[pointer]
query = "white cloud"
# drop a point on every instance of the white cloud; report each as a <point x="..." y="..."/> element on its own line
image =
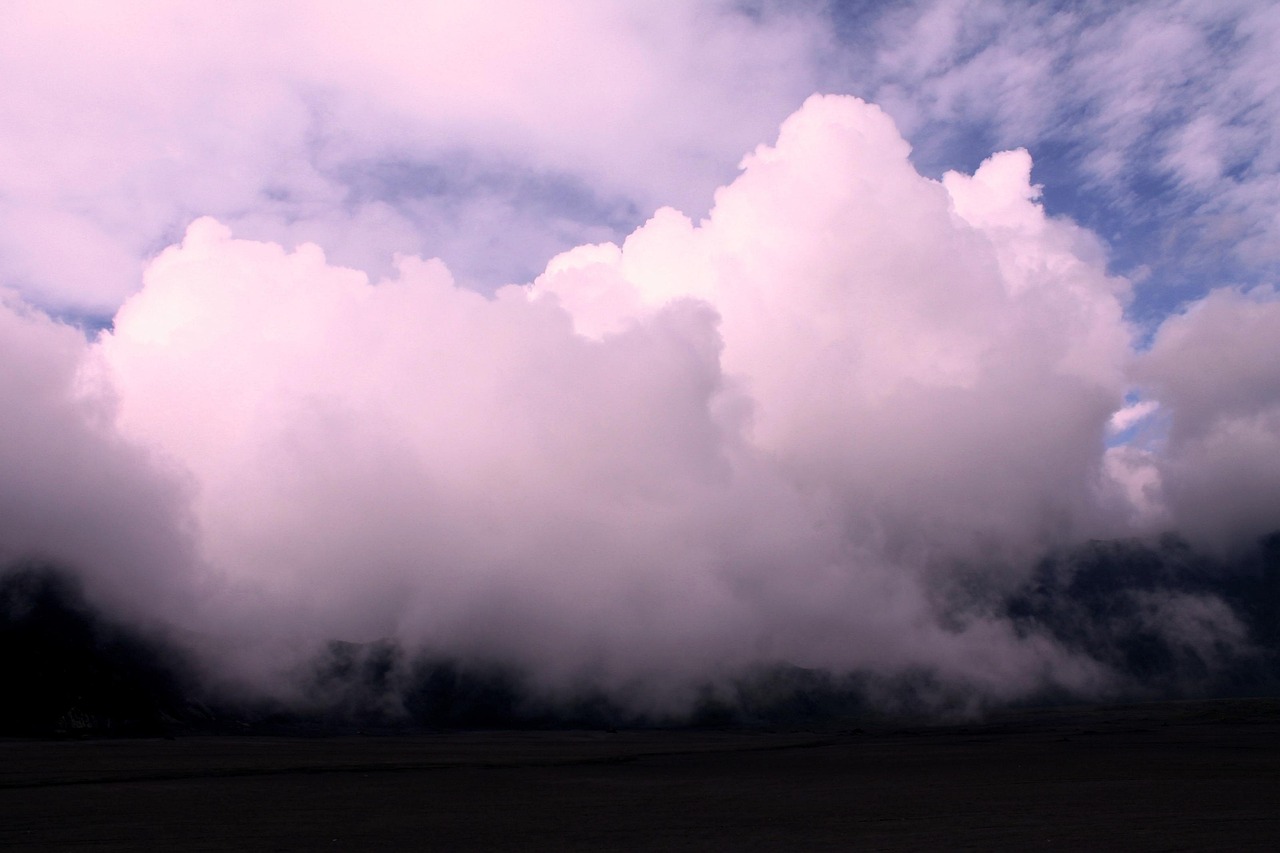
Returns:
<point x="777" y="435"/>
<point x="76" y="494"/>
<point x="1216" y="369"/>
<point x="125" y="123"/>
<point x="874" y="317"/>
<point x="790" y="429"/>
<point x="1136" y="94"/>
<point x="1132" y="415"/>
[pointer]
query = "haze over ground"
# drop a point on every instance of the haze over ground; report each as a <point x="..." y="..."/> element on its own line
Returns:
<point x="637" y="349"/>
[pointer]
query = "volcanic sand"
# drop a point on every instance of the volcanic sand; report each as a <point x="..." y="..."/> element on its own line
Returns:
<point x="1171" y="776"/>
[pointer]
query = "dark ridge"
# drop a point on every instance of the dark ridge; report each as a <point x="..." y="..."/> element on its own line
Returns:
<point x="1096" y="600"/>
<point x="68" y="670"/>
<point x="379" y="686"/>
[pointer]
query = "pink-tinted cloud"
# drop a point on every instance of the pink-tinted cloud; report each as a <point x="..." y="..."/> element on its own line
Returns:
<point x="770" y="436"/>
<point x="124" y="123"/>
<point x="831" y="423"/>
<point x="1215" y="368"/>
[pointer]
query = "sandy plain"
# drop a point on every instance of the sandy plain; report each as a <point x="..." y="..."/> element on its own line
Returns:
<point x="1169" y="776"/>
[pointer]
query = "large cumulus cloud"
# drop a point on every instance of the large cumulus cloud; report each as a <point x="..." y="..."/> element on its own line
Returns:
<point x="769" y="436"/>
<point x="836" y="423"/>
<point x="938" y="357"/>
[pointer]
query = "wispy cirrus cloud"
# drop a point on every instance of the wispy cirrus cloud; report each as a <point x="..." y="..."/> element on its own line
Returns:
<point x="1157" y="120"/>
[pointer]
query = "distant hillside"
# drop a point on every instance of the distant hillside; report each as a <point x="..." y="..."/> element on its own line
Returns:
<point x="70" y="670"/>
<point x="67" y="669"/>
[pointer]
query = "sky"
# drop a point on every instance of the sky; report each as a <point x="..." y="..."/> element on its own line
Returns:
<point x="634" y="343"/>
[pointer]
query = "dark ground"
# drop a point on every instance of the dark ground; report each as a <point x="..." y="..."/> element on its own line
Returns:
<point x="1199" y="775"/>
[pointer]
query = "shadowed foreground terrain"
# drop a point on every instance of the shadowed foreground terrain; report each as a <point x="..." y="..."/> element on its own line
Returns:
<point x="1169" y="776"/>
<point x="120" y="745"/>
